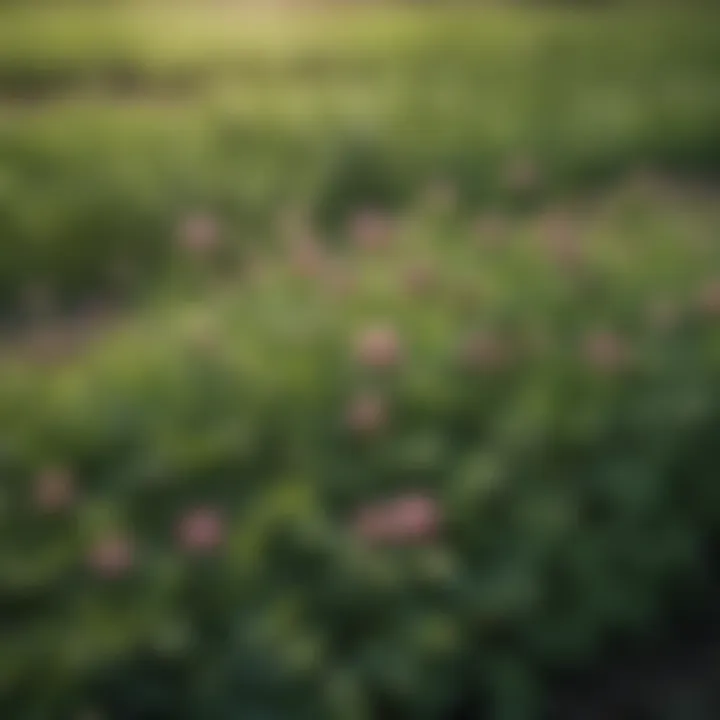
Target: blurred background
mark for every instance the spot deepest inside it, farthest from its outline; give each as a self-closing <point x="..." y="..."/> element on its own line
<point x="359" y="360"/>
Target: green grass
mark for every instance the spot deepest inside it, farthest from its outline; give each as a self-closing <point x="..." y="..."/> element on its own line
<point x="247" y="114"/>
<point x="576" y="482"/>
<point x="553" y="470"/>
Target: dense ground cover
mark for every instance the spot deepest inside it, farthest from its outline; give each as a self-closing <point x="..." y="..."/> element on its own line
<point x="331" y="113"/>
<point x="413" y="410"/>
<point x="550" y="382"/>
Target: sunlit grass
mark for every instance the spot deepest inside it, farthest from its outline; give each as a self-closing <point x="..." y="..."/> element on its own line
<point x="169" y="37"/>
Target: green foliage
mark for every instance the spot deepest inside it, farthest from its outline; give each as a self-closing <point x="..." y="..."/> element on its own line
<point x="321" y="112"/>
<point x="179" y="497"/>
<point x="576" y="489"/>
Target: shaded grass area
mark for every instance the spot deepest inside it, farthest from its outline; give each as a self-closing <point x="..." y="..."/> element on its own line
<point x="575" y="476"/>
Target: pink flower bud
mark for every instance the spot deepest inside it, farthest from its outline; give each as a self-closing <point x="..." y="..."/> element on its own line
<point x="606" y="352"/>
<point x="367" y="414"/>
<point x="419" y="279"/>
<point x="201" y="530"/>
<point x="709" y="299"/>
<point x="415" y="517"/>
<point x="307" y="257"/>
<point x="485" y="351"/>
<point x="378" y="347"/>
<point x="409" y="518"/>
<point x="199" y="234"/>
<point x="112" y="556"/>
<point x="54" y="490"/>
<point x="561" y="241"/>
<point x="371" y="230"/>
